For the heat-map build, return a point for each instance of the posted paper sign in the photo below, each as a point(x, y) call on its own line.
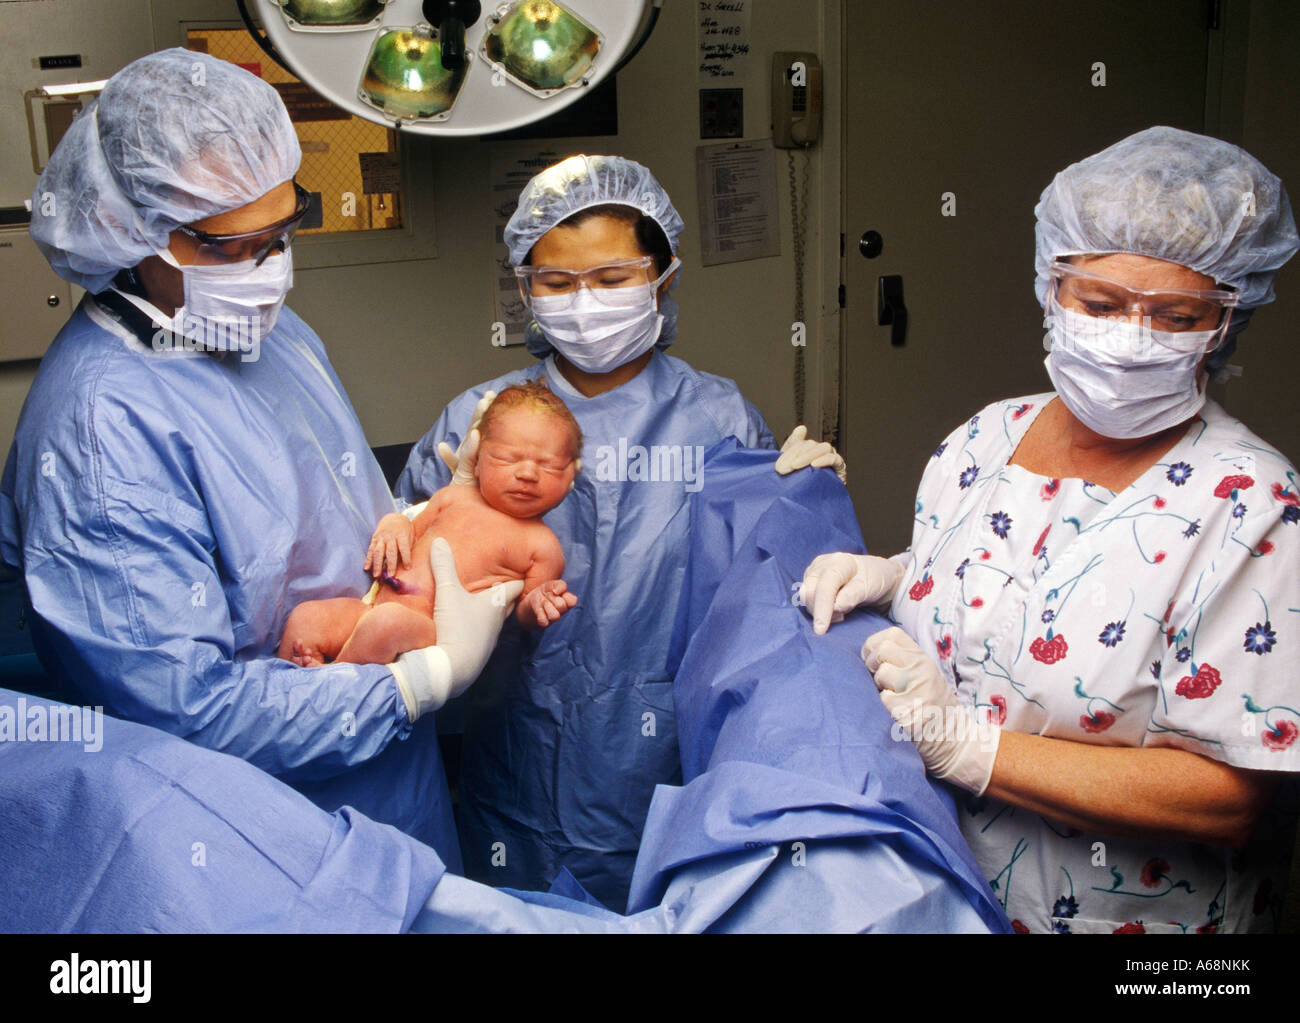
point(736, 184)
point(510, 172)
point(381, 173)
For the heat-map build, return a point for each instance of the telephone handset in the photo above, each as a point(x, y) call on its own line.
point(796, 99)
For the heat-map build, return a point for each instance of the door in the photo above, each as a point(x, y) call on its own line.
point(957, 116)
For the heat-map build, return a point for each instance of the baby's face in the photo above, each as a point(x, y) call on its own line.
point(524, 465)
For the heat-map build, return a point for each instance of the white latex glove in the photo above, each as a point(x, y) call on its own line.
point(468, 625)
point(461, 461)
point(834, 584)
point(412, 512)
point(798, 452)
point(925, 708)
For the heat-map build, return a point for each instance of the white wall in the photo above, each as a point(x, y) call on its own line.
point(106, 40)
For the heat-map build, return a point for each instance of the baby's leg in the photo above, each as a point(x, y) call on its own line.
point(317, 630)
point(386, 631)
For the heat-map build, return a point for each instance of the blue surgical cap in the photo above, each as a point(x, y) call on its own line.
point(1177, 196)
point(579, 183)
point(175, 137)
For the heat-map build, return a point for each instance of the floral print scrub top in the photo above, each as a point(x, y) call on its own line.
point(1165, 615)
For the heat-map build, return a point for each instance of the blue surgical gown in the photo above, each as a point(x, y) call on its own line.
point(168, 510)
point(800, 812)
point(568, 730)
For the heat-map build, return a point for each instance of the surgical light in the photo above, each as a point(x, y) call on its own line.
point(452, 67)
point(540, 45)
point(308, 15)
point(405, 78)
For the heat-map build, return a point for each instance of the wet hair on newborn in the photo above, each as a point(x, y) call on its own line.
point(537, 397)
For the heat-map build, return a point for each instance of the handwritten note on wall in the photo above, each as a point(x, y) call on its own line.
point(723, 33)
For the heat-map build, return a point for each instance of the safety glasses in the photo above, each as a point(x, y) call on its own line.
point(257, 245)
point(601, 281)
point(1165, 312)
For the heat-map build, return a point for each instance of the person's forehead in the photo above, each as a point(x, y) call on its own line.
point(1145, 273)
point(277, 204)
point(597, 240)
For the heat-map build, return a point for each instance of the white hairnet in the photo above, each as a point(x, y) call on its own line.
point(579, 183)
point(1177, 196)
point(175, 137)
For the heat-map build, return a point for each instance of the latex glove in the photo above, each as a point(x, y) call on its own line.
point(468, 625)
point(461, 461)
point(798, 452)
point(834, 584)
point(926, 710)
point(412, 512)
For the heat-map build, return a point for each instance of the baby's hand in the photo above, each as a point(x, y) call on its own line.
point(544, 605)
point(393, 538)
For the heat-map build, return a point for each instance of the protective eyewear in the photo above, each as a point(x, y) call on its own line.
point(1166, 312)
point(553, 282)
point(257, 245)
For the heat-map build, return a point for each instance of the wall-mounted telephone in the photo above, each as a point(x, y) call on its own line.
point(796, 99)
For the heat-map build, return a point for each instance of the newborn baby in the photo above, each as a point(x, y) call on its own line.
point(527, 461)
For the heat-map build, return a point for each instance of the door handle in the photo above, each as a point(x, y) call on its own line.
point(892, 311)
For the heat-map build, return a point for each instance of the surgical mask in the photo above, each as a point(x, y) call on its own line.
point(223, 301)
point(1122, 379)
point(599, 335)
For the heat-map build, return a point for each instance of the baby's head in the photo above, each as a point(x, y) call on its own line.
point(528, 456)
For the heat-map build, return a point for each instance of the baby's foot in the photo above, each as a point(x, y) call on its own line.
point(306, 656)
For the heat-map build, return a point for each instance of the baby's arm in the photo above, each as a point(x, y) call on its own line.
point(545, 597)
point(432, 509)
